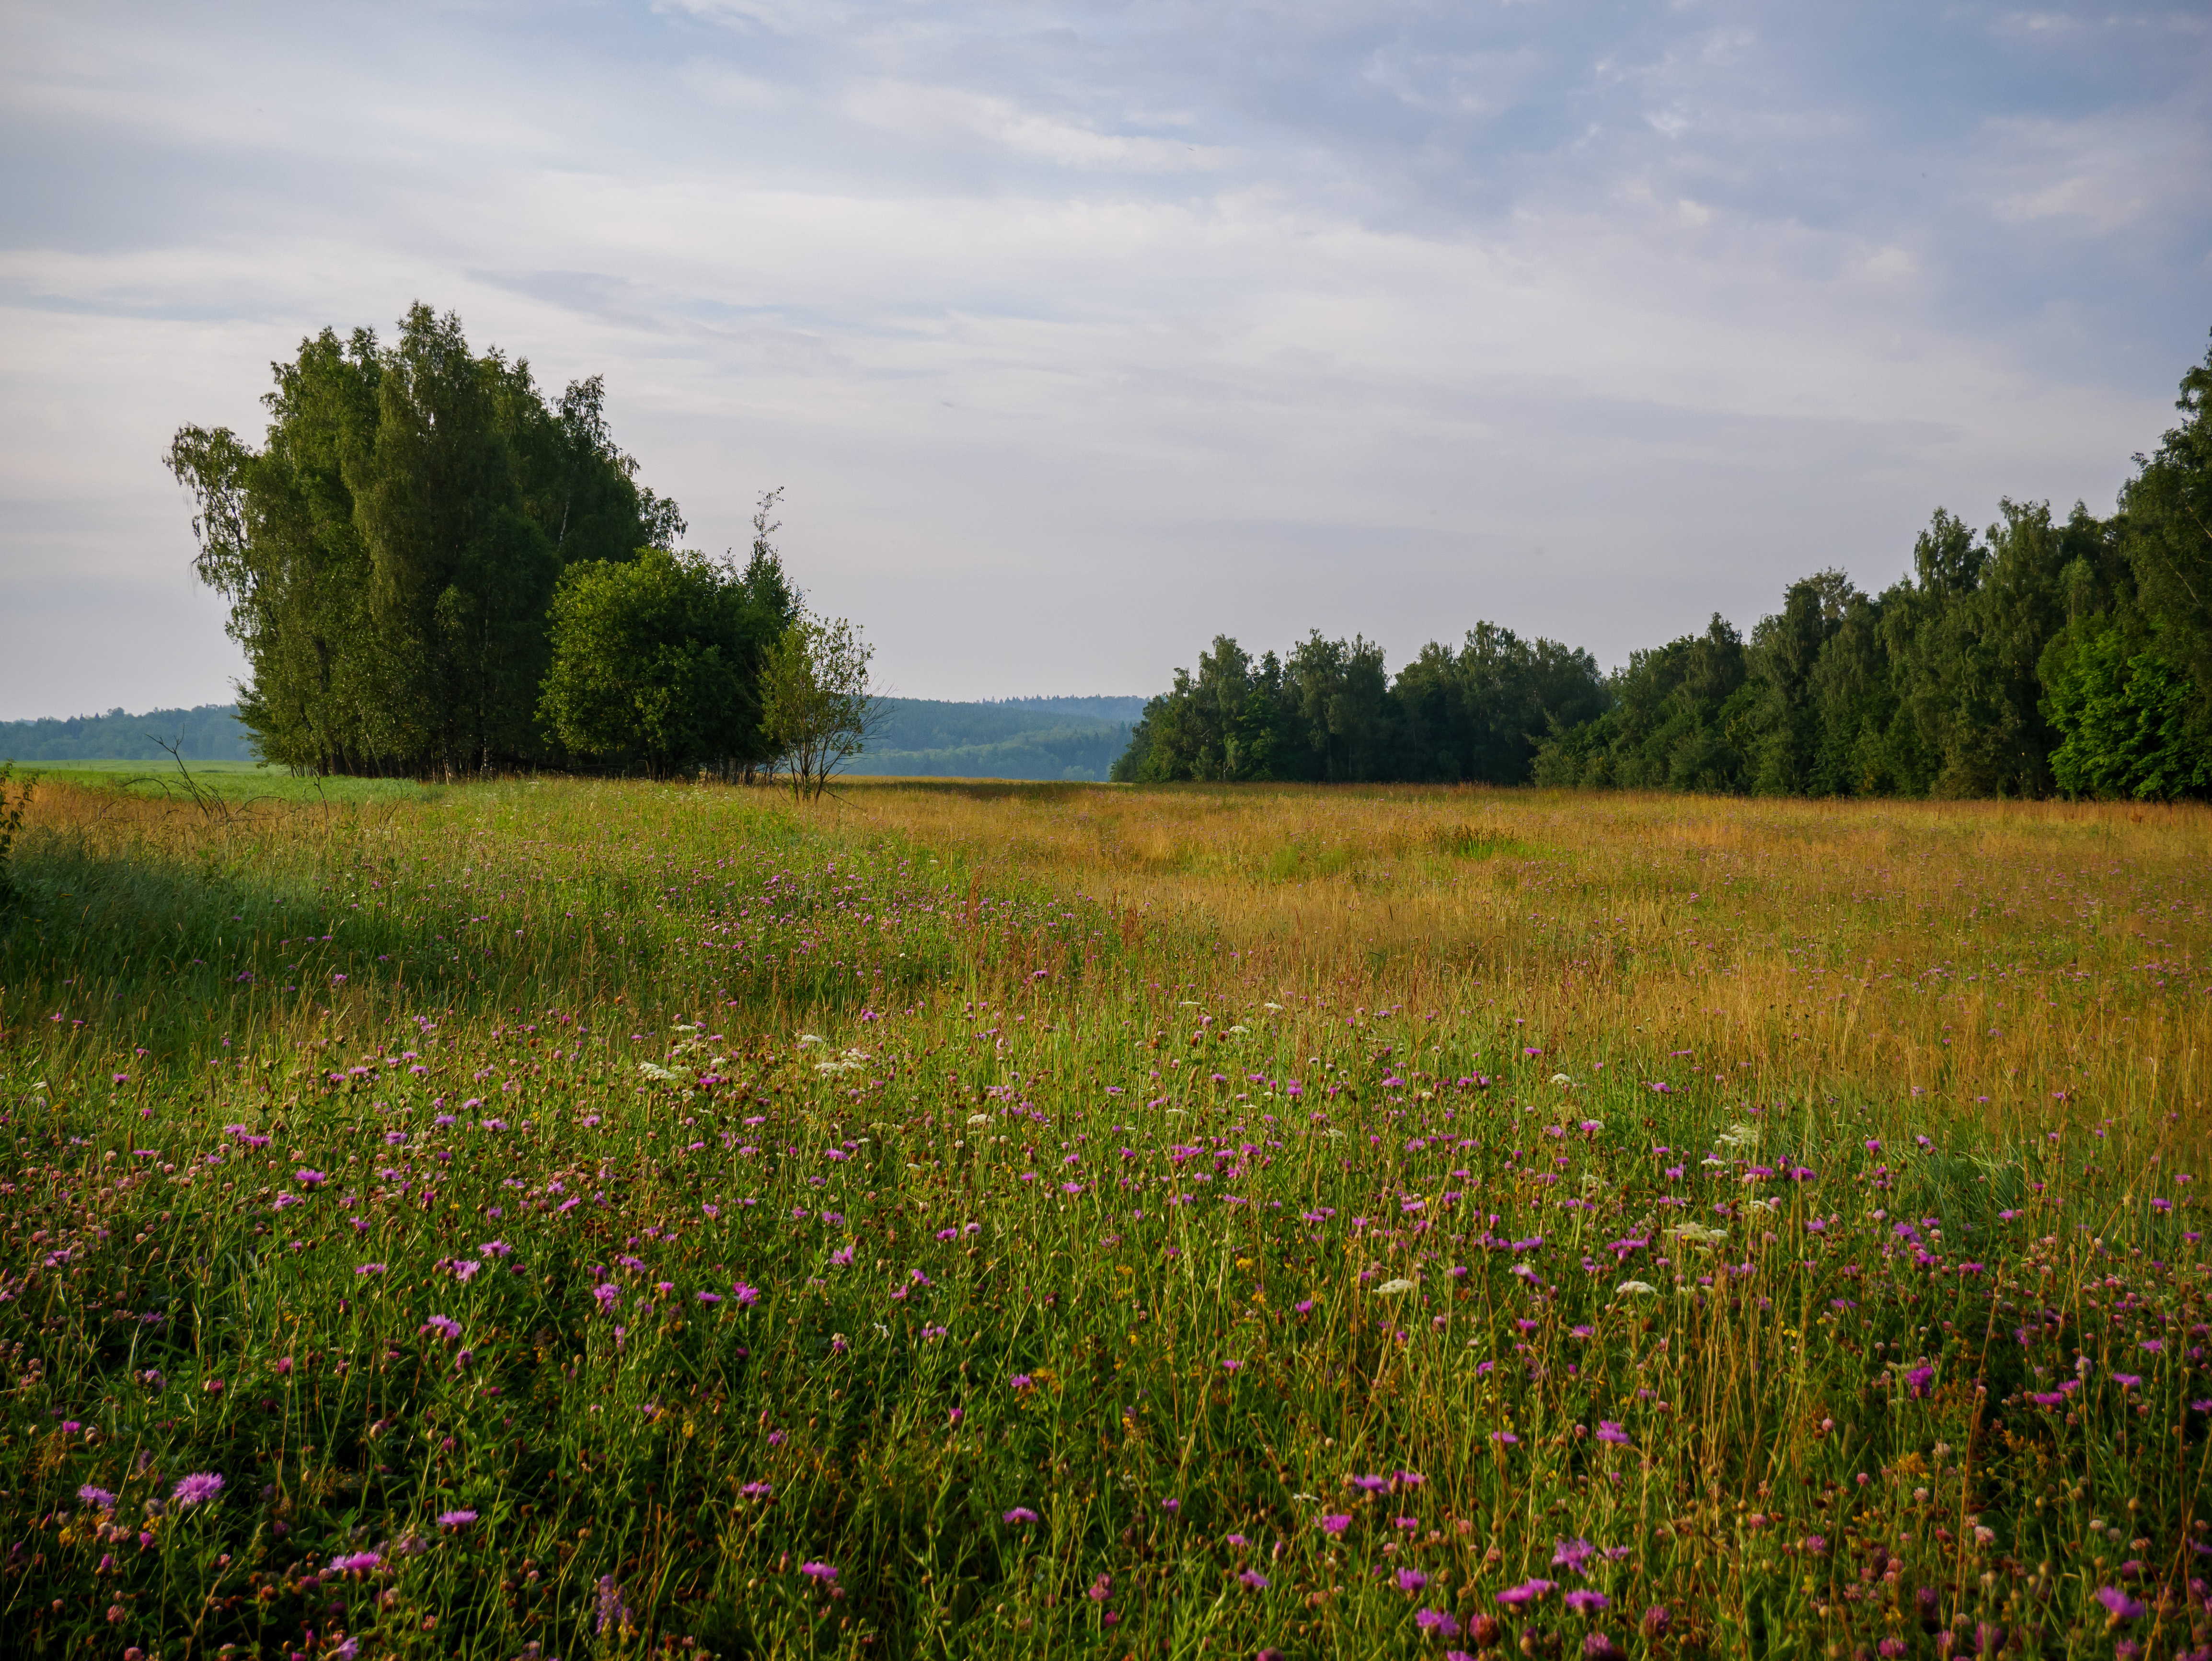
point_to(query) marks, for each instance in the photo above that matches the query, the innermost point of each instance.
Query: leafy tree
(658, 658)
(765, 581)
(1853, 704)
(818, 701)
(1480, 712)
(391, 551)
(2165, 533)
(1783, 724)
(1339, 691)
(1678, 720)
(2123, 712)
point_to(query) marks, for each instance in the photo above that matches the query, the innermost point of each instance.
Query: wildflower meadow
(555, 1219)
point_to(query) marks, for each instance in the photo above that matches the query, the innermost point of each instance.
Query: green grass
(109, 767)
(1297, 1314)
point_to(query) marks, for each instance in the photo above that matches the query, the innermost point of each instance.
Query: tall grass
(974, 1221)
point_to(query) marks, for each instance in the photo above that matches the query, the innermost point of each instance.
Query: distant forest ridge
(207, 732)
(1030, 737)
(1092, 709)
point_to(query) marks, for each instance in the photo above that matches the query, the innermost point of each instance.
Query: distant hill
(1098, 708)
(1018, 738)
(208, 732)
(1038, 737)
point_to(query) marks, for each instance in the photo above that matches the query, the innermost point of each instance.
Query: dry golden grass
(1990, 955)
(2005, 951)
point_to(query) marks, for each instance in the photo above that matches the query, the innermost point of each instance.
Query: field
(556, 1219)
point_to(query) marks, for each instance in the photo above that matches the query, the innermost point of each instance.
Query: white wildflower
(1698, 1234)
(1641, 1288)
(1393, 1288)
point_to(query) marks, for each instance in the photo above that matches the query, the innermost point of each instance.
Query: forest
(2037, 656)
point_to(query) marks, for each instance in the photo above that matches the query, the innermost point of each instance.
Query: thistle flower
(197, 1488)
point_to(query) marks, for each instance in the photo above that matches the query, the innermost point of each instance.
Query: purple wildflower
(1020, 1514)
(1253, 1579)
(95, 1496)
(1335, 1523)
(1609, 1432)
(1585, 1602)
(197, 1488)
(456, 1520)
(1526, 1592)
(2121, 1607)
(613, 1611)
(444, 1325)
(1411, 1580)
(1438, 1623)
(822, 1572)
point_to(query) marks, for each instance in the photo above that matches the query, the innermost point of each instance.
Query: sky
(1077, 334)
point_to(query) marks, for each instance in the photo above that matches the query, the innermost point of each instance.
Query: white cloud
(912, 109)
(1080, 335)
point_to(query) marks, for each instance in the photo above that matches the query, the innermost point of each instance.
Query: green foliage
(390, 554)
(819, 703)
(2123, 715)
(2165, 531)
(658, 659)
(1330, 712)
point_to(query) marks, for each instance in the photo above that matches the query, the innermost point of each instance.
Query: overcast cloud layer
(1079, 333)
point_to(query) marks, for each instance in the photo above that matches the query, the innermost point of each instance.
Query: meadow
(557, 1218)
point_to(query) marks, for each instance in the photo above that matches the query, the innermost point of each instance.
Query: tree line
(207, 732)
(434, 568)
(2038, 655)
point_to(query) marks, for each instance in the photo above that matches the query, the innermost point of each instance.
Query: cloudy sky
(1078, 333)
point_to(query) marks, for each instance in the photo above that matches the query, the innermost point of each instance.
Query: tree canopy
(391, 551)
